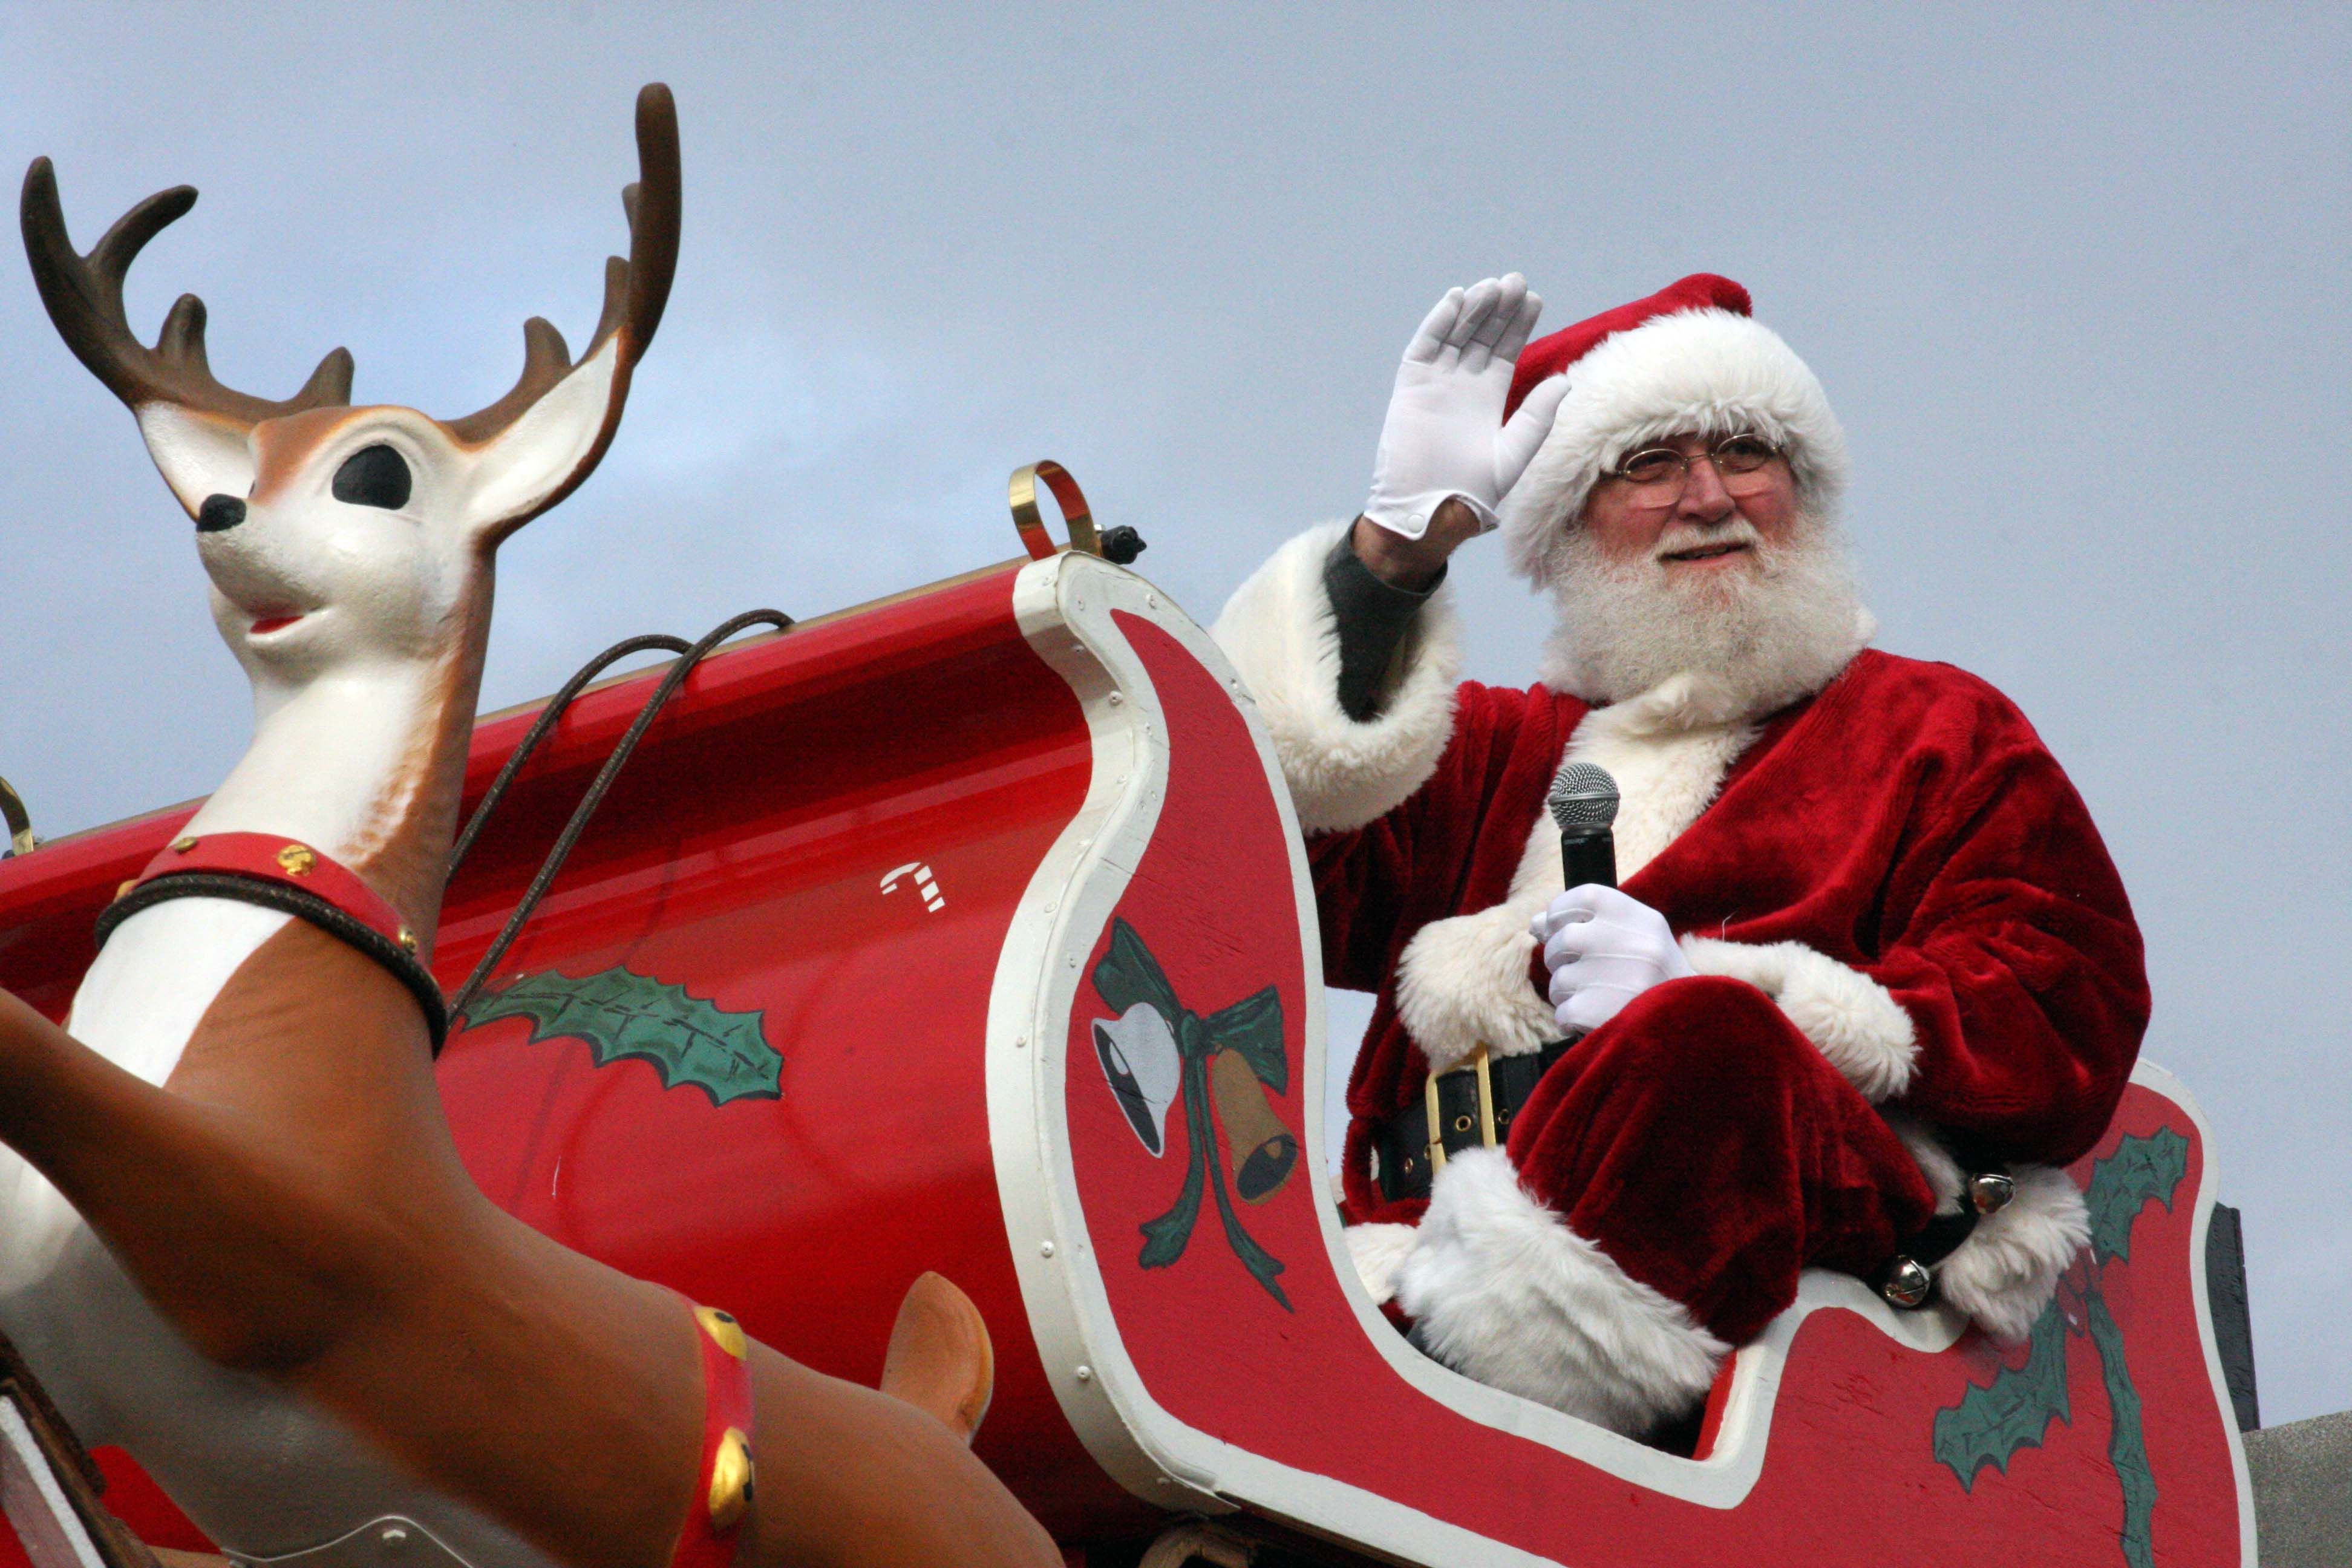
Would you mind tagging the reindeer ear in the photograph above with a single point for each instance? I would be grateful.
(552, 446)
(200, 455)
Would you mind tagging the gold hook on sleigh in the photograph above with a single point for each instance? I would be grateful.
(20, 823)
(1023, 492)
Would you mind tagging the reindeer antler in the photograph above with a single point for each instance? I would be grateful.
(636, 290)
(84, 296)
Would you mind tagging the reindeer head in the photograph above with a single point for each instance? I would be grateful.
(332, 531)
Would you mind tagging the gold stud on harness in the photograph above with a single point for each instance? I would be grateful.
(730, 1481)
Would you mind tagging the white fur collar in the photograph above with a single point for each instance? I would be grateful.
(1463, 982)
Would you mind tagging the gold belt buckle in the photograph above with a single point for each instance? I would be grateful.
(1478, 1063)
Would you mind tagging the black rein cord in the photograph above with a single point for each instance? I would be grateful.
(689, 656)
(404, 964)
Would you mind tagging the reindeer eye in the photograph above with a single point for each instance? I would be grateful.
(374, 475)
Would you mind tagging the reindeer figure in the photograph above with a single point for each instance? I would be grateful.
(234, 1236)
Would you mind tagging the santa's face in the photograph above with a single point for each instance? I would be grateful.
(1706, 532)
(1746, 591)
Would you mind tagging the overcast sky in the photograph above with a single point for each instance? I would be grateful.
(2075, 280)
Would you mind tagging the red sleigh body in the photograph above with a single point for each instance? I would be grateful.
(821, 1002)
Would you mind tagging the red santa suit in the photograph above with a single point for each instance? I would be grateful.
(1900, 915)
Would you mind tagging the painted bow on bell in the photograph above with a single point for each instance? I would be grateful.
(1251, 1029)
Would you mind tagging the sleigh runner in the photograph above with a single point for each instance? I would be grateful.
(970, 932)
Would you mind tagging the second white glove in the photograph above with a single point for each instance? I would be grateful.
(1445, 434)
(1603, 949)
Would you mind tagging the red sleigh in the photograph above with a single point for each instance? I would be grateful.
(864, 969)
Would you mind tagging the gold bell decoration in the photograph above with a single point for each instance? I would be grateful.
(1259, 1150)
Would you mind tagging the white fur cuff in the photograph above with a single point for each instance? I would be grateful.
(1860, 1029)
(1377, 1251)
(1461, 983)
(1503, 1291)
(2004, 1274)
(1279, 630)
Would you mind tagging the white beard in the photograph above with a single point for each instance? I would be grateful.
(1758, 636)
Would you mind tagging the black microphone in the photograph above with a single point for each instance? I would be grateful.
(1583, 801)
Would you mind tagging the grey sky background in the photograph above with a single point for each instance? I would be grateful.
(2075, 279)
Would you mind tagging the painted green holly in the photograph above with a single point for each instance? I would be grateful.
(2127, 1443)
(1993, 1421)
(623, 1014)
(2139, 1169)
(1251, 1029)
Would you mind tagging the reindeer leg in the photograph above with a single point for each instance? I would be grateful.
(289, 1229)
(851, 1476)
(293, 1204)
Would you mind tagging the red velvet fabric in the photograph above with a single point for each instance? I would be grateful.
(1907, 821)
(1555, 351)
(1701, 1142)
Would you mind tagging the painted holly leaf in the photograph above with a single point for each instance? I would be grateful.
(1251, 1029)
(2142, 1167)
(2126, 1444)
(621, 1015)
(2013, 1411)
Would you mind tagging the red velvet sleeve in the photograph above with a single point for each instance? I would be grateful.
(2009, 940)
(1378, 884)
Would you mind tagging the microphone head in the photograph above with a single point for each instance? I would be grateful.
(1583, 798)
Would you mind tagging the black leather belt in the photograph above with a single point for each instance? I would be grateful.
(1467, 1117)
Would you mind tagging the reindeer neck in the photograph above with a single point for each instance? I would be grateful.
(366, 762)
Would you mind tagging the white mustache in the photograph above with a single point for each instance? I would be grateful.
(1687, 536)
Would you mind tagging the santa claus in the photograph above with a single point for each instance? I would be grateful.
(1871, 975)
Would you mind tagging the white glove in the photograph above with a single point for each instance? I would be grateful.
(1603, 950)
(1445, 434)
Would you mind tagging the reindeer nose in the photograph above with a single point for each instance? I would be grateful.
(219, 512)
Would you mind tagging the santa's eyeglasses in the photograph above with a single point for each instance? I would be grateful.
(1657, 473)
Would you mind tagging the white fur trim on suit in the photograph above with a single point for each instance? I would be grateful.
(1283, 637)
(1705, 372)
(1378, 1251)
(1860, 1029)
(1463, 981)
(1668, 750)
(2004, 1274)
(1503, 1291)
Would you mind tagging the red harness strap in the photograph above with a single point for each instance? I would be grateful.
(286, 875)
(266, 858)
(722, 1493)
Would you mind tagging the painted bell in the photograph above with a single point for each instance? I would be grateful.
(1137, 1051)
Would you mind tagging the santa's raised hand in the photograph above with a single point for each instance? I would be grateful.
(1444, 438)
(1603, 950)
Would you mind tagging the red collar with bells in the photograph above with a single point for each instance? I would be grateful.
(288, 876)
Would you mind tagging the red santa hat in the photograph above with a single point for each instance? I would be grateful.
(1688, 359)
